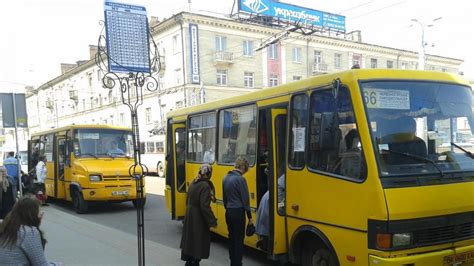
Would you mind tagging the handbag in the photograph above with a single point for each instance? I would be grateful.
(250, 231)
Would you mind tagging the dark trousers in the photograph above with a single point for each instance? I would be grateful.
(235, 219)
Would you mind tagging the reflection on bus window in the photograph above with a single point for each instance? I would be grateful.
(237, 134)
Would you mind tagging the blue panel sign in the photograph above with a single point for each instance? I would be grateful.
(293, 13)
(128, 46)
(194, 47)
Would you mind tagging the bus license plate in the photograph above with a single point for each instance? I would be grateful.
(460, 259)
(120, 193)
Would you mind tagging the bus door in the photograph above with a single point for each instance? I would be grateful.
(278, 240)
(175, 192)
(61, 168)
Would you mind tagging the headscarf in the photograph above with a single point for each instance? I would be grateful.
(204, 174)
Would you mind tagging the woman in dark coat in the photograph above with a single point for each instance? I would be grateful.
(196, 238)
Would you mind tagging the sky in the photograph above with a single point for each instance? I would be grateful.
(38, 35)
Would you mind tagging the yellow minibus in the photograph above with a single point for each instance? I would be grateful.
(86, 163)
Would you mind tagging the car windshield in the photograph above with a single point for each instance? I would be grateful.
(103, 143)
(420, 128)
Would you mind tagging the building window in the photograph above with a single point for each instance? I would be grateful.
(221, 42)
(389, 64)
(122, 118)
(404, 65)
(179, 104)
(357, 60)
(248, 48)
(273, 81)
(318, 57)
(221, 77)
(148, 115)
(444, 70)
(175, 44)
(273, 51)
(296, 55)
(337, 60)
(373, 63)
(248, 79)
(297, 77)
(177, 76)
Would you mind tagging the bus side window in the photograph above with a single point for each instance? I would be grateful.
(298, 131)
(334, 140)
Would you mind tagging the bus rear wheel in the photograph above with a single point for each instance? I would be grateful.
(160, 169)
(80, 205)
(317, 255)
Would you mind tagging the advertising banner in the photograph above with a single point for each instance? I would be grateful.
(293, 13)
(194, 48)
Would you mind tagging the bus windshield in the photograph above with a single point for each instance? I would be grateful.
(420, 129)
(98, 142)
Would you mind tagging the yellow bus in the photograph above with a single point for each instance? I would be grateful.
(86, 163)
(355, 164)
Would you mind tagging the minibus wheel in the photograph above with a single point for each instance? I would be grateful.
(160, 169)
(80, 205)
(316, 254)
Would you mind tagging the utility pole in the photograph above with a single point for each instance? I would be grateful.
(422, 51)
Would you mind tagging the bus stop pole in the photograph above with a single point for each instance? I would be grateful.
(20, 189)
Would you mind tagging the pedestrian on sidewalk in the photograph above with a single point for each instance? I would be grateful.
(21, 240)
(196, 238)
(237, 204)
(41, 173)
(7, 196)
(11, 164)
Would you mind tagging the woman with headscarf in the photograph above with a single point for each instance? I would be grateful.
(196, 238)
(7, 194)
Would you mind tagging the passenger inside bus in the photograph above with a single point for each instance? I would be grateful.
(114, 149)
(400, 136)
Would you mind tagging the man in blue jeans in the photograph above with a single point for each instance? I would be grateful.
(11, 164)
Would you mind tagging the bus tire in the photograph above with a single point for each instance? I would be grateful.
(160, 169)
(80, 205)
(142, 201)
(315, 254)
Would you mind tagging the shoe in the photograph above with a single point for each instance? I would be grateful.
(45, 204)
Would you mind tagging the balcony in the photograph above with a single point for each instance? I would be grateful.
(49, 104)
(320, 68)
(223, 58)
(73, 95)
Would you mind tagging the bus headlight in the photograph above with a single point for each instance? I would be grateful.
(94, 178)
(401, 239)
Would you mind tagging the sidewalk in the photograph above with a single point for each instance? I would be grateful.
(76, 241)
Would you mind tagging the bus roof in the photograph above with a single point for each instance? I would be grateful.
(354, 74)
(78, 127)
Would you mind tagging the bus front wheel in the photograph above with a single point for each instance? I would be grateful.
(317, 255)
(80, 205)
(160, 169)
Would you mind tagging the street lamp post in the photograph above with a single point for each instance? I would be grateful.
(421, 53)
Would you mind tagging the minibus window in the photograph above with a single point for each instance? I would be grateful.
(298, 132)
(237, 134)
(334, 142)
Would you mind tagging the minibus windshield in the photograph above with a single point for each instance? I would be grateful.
(103, 143)
(420, 129)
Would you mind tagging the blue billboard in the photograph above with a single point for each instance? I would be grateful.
(293, 13)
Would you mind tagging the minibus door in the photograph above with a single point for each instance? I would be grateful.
(278, 242)
(62, 167)
(175, 191)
